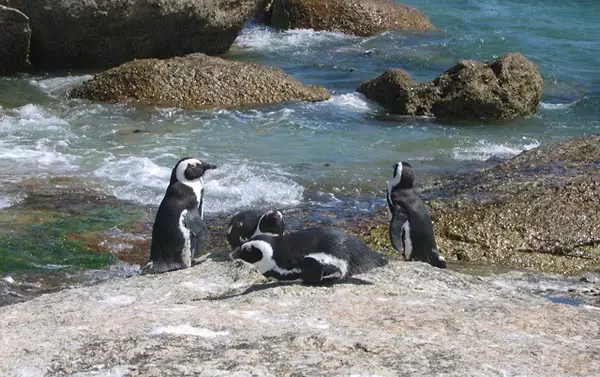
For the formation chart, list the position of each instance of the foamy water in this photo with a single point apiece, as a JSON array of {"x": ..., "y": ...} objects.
[
  {"x": 285, "y": 154},
  {"x": 484, "y": 150}
]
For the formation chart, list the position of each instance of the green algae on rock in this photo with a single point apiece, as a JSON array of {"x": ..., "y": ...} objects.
[
  {"x": 49, "y": 228},
  {"x": 197, "y": 81}
]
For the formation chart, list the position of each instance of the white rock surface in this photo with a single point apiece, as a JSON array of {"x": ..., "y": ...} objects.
[{"x": 224, "y": 319}]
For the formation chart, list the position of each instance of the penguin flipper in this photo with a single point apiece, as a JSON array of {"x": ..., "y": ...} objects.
[
  {"x": 315, "y": 272},
  {"x": 197, "y": 226},
  {"x": 312, "y": 271},
  {"x": 396, "y": 230}
]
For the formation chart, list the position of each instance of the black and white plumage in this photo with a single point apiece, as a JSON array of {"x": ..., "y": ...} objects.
[
  {"x": 310, "y": 256},
  {"x": 247, "y": 224},
  {"x": 411, "y": 229},
  {"x": 179, "y": 231}
]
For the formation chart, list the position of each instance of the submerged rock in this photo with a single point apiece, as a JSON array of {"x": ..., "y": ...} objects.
[
  {"x": 362, "y": 18},
  {"x": 223, "y": 318},
  {"x": 14, "y": 41},
  {"x": 197, "y": 81},
  {"x": 506, "y": 88},
  {"x": 100, "y": 34}
]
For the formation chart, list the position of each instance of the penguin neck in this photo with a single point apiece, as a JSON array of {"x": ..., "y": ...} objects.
[{"x": 196, "y": 185}]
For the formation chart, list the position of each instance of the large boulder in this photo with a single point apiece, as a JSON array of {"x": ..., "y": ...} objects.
[
  {"x": 225, "y": 319},
  {"x": 506, "y": 88},
  {"x": 100, "y": 34},
  {"x": 362, "y": 18},
  {"x": 539, "y": 210},
  {"x": 14, "y": 40},
  {"x": 197, "y": 81}
]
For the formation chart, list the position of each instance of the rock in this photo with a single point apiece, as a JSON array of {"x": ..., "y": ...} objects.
[
  {"x": 197, "y": 81},
  {"x": 539, "y": 210},
  {"x": 506, "y": 88},
  {"x": 224, "y": 319},
  {"x": 263, "y": 12},
  {"x": 362, "y": 18},
  {"x": 100, "y": 34},
  {"x": 14, "y": 41}
]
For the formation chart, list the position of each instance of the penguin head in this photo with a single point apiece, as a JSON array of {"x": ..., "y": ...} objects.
[
  {"x": 258, "y": 252},
  {"x": 403, "y": 176},
  {"x": 189, "y": 169},
  {"x": 271, "y": 223}
]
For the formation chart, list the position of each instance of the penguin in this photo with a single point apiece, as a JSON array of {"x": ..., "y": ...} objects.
[
  {"x": 179, "y": 231},
  {"x": 411, "y": 229},
  {"x": 311, "y": 256},
  {"x": 247, "y": 224}
]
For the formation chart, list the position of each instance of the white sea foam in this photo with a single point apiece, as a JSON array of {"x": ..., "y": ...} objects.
[
  {"x": 188, "y": 330},
  {"x": 135, "y": 178},
  {"x": 5, "y": 202},
  {"x": 558, "y": 106},
  {"x": 23, "y": 161},
  {"x": 229, "y": 187},
  {"x": 31, "y": 118},
  {"x": 351, "y": 101},
  {"x": 58, "y": 84},
  {"x": 261, "y": 38},
  {"x": 484, "y": 150},
  {"x": 233, "y": 186}
]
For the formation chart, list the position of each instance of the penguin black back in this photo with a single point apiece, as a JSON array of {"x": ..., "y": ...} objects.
[
  {"x": 246, "y": 224},
  {"x": 313, "y": 255}
]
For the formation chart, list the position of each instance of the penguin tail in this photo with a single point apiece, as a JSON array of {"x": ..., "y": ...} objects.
[{"x": 159, "y": 267}]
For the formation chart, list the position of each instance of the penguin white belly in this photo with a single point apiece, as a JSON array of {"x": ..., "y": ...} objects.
[
  {"x": 186, "y": 253},
  {"x": 197, "y": 187},
  {"x": 341, "y": 264},
  {"x": 406, "y": 240}
]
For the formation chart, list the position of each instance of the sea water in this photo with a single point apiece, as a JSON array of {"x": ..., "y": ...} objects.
[{"x": 343, "y": 148}]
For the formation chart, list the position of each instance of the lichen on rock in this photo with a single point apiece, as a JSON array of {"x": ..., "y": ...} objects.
[{"x": 197, "y": 81}]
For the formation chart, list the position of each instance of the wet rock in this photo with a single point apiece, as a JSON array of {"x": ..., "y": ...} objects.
[
  {"x": 15, "y": 35},
  {"x": 197, "y": 81},
  {"x": 100, "y": 34},
  {"x": 223, "y": 318},
  {"x": 362, "y": 18},
  {"x": 539, "y": 210},
  {"x": 506, "y": 88}
]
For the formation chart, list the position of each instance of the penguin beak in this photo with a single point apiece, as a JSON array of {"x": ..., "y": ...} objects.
[
  {"x": 205, "y": 167},
  {"x": 198, "y": 171}
]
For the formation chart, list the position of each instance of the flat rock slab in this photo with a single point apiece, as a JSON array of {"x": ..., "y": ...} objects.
[{"x": 224, "y": 319}]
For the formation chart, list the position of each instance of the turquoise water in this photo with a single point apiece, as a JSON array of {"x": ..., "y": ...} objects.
[{"x": 343, "y": 148}]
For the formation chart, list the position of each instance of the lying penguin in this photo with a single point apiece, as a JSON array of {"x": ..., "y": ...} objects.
[
  {"x": 411, "y": 230},
  {"x": 247, "y": 224},
  {"x": 310, "y": 256},
  {"x": 179, "y": 231}
]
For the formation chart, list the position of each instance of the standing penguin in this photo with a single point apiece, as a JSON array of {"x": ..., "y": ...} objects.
[
  {"x": 411, "y": 230},
  {"x": 179, "y": 230},
  {"x": 247, "y": 224},
  {"x": 310, "y": 256}
]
